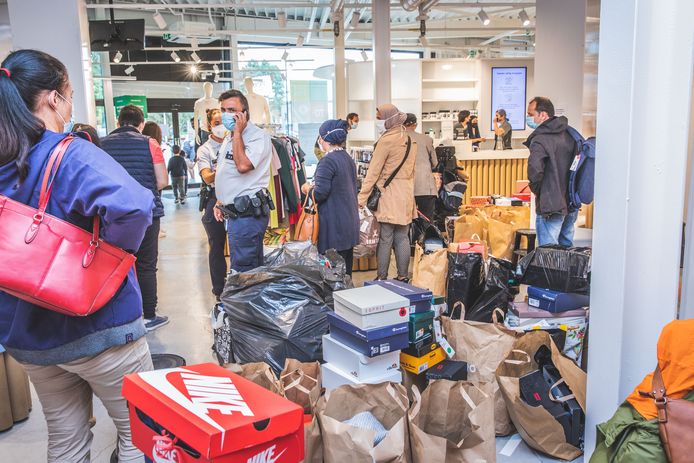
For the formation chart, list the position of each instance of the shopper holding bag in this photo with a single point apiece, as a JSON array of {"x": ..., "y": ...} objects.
[
  {"x": 69, "y": 358},
  {"x": 335, "y": 192},
  {"x": 389, "y": 182}
]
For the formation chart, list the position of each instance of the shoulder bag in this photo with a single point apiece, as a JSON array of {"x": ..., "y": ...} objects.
[
  {"x": 675, "y": 420},
  {"x": 307, "y": 227},
  {"x": 52, "y": 263},
  {"x": 375, "y": 195}
]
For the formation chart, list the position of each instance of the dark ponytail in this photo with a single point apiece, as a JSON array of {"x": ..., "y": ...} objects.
[{"x": 28, "y": 74}]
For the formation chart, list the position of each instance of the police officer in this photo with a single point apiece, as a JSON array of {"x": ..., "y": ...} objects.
[{"x": 241, "y": 181}]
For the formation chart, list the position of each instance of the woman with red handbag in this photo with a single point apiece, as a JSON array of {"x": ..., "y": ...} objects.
[{"x": 67, "y": 357}]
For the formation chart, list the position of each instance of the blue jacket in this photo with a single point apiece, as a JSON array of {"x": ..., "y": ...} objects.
[
  {"x": 88, "y": 182},
  {"x": 132, "y": 151},
  {"x": 336, "y": 194}
]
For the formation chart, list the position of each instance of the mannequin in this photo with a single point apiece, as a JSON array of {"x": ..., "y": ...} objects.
[
  {"x": 200, "y": 109},
  {"x": 257, "y": 104}
]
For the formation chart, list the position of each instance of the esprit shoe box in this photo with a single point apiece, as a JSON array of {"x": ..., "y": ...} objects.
[
  {"x": 420, "y": 299},
  {"x": 356, "y": 364},
  {"x": 206, "y": 414},
  {"x": 333, "y": 377},
  {"x": 554, "y": 301},
  {"x": 372, "y": 342},
  {"x": 371, "y": 307}
]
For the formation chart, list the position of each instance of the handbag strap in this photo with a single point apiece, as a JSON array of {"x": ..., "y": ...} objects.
[{"x": 395, "y": 172}]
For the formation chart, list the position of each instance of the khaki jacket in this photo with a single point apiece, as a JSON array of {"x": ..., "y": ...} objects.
[
  {"x": 397, "y": 205},
  {"x": 424, "y": 181}
]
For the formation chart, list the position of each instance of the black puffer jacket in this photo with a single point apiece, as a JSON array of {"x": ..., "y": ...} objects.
[{"x": 552, "y": 151}]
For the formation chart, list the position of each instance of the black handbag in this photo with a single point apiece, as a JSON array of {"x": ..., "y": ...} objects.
[{"x": 375, "y": 195}]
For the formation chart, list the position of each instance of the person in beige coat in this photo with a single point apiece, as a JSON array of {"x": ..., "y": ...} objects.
[
  {"x": 396, "y": 208},
  {"x": 425, "y": 190}
]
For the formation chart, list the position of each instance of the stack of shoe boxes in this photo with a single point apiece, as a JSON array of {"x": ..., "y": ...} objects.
[{"x": 367, "y": 332}]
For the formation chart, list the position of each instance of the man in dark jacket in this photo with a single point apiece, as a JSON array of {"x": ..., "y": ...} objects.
[
  {"x": 142, "y": 158},
  {"x": 552, "y": 151},
  {"x": 178, "y": 169}
]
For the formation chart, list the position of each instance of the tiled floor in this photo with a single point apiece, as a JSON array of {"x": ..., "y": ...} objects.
[{"x": 184, "y": 295}]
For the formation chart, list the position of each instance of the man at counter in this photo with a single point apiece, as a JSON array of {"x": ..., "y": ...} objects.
[
  {"x": 424, "y": 181},
  {"x": 552, "y": 150},
  {"x": 502, "y": 131}
]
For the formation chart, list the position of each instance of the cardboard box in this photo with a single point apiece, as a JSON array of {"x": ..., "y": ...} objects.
[
  {"x": 525, "y": 311},
  {"x": 357, "y": 364},
  {"x": 421, "y": 348},
  {"x": 452, "y": 370},
  {"x": 369, "y": 342},
  {"x": 420, "y": 299},
  {"x": 371, "y": 307},
  {"x": 555, "y": 301},
  {"x": 419, "y": 365},
  {"x": 421, "y": 325},
  {"x": 210, "y": 415},
  {"x": 333, "y": 377}
]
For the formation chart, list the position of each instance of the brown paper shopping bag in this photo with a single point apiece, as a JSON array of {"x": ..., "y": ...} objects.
[
  {"x": 537, "y": 427},
  {"x": 313, "y": 440},
  {"x": 259, "y": 373},
  {"x": 484, "y": 346},
  {"x": 430, "y": 270},
  {"x": 452, "y": 422},
  {"x": 343, "y": 443},
  {"x": 301, "y": 383},
  {"x": 468, "y": 227}
]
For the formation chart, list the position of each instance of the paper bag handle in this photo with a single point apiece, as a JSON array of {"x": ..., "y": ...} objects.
[
  {"x": 462, "y": 311},
  {"x": 560, "y": 400},
  {"x": 519, "y": 362},
  {"x": 297, "y": 382},
  {"x": 394, "y": 395}
]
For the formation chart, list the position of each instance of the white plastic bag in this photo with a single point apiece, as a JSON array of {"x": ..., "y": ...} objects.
[{"x": 369, "y": 231}]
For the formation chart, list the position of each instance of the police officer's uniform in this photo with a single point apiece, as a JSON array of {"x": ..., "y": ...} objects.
[
  {"x": 246, "y": 202},
  {"x": 216, "y": 231}
]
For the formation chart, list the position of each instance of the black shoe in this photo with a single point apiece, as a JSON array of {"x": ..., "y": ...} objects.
[{"x": 152, "y": 324}]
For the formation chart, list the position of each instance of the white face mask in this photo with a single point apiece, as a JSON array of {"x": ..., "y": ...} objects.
[
  {"x": 380, "y": 127},
  {"x": 219, "y": 131}
]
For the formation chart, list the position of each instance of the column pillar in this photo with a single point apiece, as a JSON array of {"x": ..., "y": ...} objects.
[
  {"x": 60, "y": 28},
  {"x": 235, "y": 69},
  {"x": 380, "y": 10},
  {"x": 560, "y": 35},
  {"x": 639, "y": 190},
  {"x": 340, "y": 72}
]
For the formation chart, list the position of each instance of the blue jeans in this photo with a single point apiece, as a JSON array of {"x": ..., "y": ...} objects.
[
  {"x": 556, "y": 229},
  {"x": 246, "y": 242}
]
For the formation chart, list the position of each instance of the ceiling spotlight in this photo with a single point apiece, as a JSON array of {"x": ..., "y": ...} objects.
[
  {"x": 423, "y": 41},
  {"x": 354, "y": 22},
  {"x": 129, "y": 70},
  {"x": 524, "y": 18},
  {"x": 195, "y": 57},
  {"x": 364, "y": 56},
  {"x": 215, "y": 68},
  {"x": 484, "y": 17},
  {"x": 175, "y": 57},
  {"x": 117, "y": 57},
  {"x": 282, "y": 19},
  {"x": 159, "y": 19},
  {"x": 285, "y": 55},
  {"x": 193, "y": 69},
  {"x": 300, "y": 41}
]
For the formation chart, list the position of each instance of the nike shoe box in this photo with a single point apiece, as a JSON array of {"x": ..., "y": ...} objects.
[
  {"x": 371, "y": 307},
  {"x": 555, "y": 301},
  {"x": 371, "y": 342},
  {"x": 356, "y": 364},
  {"x": 420, "y": 299},
  {"x": 206, "y": 414},
  {"x": 333, "y": 377}
]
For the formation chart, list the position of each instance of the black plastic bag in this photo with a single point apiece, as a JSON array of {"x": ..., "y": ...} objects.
[
  {"x": 498, "y": 291},
  {"x": 557, "y": 268},
  {"x": 422, "y": 229},
  {"x": 466, "y": 277},
  {"x": 279, "y": 311}
]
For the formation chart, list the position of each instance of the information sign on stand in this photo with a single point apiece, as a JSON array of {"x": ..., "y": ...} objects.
[{"x": 509, "y": 93}]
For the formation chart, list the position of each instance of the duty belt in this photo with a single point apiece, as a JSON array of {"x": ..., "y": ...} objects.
[{"x": 257, "y": 205}]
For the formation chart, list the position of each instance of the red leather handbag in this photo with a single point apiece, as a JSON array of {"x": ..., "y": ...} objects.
[{"x": 55, "y": 264}]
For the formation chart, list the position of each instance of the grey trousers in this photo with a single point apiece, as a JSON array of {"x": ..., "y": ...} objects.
[
  {"x": 179, "y": 187},
  {"x": 393, "y": 236},
  {"x": 65, "y": 392}
]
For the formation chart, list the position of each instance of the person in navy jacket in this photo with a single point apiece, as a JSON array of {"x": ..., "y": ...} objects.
[
  {"x": 70, "y": 358},
  {"x": 335, "y": 190}
]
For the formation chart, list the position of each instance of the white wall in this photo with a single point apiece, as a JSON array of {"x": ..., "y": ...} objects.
[{"x": 559, "y": 55}]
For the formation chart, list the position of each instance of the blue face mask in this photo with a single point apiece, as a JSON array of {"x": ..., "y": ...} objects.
[
  {"x": 531, "y": 122},
  {"x": 229, "y": 121},
  {"x": 355, "y": 125}
]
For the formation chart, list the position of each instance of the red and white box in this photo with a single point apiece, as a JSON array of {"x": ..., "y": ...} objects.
[
  {"x": 206, "y": 414},
  {"x": 522, "y": 190}
]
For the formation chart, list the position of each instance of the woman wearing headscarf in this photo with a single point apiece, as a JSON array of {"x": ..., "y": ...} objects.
[
  {"x": 335, "y": 191},
  {"x": 396, "y": 208}
]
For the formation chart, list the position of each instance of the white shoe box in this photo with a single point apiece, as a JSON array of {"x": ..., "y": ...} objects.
[
  {"x": 356, "y": 364},
  {"x": 333, "y": 377},
  {"x": 371, "y": 307}
]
